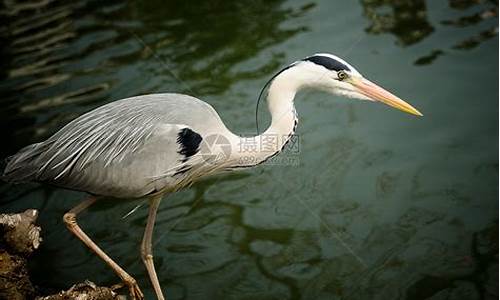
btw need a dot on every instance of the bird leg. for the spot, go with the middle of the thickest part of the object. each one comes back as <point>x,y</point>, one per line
<point>146,251</point>
<point>70,221</point>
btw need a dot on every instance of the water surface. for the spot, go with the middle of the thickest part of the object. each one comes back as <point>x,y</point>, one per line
<point>377,204</point>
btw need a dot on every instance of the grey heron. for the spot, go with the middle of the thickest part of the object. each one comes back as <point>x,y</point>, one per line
<point>151,145</point>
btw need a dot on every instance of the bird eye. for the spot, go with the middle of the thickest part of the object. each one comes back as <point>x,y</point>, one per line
<point>341,75</point>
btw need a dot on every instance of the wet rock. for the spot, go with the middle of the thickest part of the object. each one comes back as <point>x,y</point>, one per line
<point>19,233</point>
<point>19,238</point>
<point>85,291</point>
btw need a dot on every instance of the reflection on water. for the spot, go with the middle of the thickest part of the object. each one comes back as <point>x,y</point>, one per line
<point>408,21</point>
<point>363,216</point>
<point>480,264</point>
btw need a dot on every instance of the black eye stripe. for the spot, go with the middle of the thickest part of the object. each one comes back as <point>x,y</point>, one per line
<point>327,62</point>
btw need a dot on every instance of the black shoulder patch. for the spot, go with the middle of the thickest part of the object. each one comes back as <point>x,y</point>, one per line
<point>327,62</point>
<point>189,142</point>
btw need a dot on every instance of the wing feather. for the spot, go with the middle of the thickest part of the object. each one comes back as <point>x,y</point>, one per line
<point>109,136</point>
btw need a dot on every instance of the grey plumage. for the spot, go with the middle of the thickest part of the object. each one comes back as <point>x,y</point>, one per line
<point>104,151</point>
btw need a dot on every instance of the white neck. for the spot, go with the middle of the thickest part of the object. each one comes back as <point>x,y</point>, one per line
<point>250,151</point>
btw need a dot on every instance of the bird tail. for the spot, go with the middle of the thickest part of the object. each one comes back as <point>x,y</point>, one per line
<point>22,166</point>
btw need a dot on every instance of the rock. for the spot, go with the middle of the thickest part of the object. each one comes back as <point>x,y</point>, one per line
<point>85,291</point>
<point>19,232</point>
<point>19,238</point>
<point>14,281</point>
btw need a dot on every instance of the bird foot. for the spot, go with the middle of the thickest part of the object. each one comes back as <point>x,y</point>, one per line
<point>133,287</point>
<point>135,292</point>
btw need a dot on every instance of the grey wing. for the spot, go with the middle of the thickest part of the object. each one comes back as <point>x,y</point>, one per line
<point>119,149</point>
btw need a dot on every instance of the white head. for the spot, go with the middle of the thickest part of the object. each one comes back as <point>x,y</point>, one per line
<point>332,74</point>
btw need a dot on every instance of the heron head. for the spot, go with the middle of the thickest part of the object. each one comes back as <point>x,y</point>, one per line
<point>334,75</point>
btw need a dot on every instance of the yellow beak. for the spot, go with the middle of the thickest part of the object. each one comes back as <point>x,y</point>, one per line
<point>376,93</point>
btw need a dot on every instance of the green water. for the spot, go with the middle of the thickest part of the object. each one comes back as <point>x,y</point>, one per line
<point>378,204</point>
